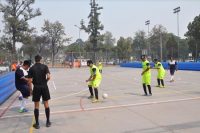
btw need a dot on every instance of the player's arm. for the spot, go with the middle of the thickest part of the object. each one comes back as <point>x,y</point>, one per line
<point>148,67</point>
<point>48,74</point>
<point>30,80</point>
<point>92,77</point>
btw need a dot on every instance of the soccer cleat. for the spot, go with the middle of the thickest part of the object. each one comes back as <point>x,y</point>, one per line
<point>20,98</point>
<point>95,101</point>
<point>36,126</point>
<point>90,97</point>
<point>23,110</point>
<point>48,124</point>
<point>162,86</point>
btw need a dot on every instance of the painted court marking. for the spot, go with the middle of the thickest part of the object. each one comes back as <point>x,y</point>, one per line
<point>107,107</point>
<point>54,86</point>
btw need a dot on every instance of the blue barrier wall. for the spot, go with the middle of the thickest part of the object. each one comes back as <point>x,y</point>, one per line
<point>7,86</point>
<point>193,66</point>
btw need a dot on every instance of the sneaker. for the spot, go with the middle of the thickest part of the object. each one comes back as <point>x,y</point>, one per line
<point>144,95</point>
<point>23,110</point>
<point>20,98</point>
<point>162,86</point>
<point>36,126</point>
<point>48,124</point>
<point>150,94</point>
<point>90,97</point>
<point>95,101</point>
<point>157,85</point>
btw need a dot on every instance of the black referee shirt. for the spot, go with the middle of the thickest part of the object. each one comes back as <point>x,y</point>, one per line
<point>38,73</point>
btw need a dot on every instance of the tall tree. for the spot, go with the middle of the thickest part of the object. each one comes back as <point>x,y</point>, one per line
<point>193,36</point>
<point>172,46</point>
<point>17,13</point>
<point>139,43</point>
<point>158,38</point>
<point>56,33</point>
<point>124,48</point>
<point>94,26</point>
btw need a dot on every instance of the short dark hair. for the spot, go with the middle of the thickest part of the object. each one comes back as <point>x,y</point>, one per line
<point>27,63</point>
<point>89,62</point>
<point>155,60</point>
<point>143,56</point>
<point>38,58</point>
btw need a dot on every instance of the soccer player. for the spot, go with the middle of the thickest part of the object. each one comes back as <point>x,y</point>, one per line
<point>161,73</point>
<point>39,75</point>
<point>22,85</point>
<point>172,67</point>
<point>93,81</point>
<point>146,75</point>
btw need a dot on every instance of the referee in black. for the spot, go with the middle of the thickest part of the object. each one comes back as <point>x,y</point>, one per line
<point>39,75</point>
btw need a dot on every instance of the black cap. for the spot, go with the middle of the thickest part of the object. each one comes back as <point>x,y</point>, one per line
<point>89,62</point>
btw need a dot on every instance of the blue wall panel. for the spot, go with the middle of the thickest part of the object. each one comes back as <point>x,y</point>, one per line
<point>193,66</point>
<point>7,86</point>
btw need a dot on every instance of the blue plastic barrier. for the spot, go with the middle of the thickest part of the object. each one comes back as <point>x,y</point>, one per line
<point>7,86</point>
<point>192,66</point>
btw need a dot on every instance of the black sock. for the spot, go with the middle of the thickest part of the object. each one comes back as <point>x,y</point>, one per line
<point>145,90</point>
<point>158,80</point>
<point>36,113</point>
<point>162,82</point>
<point>96,93</point>
<point>91,91</point>
<point>47,112</point>
<point>149,88</point>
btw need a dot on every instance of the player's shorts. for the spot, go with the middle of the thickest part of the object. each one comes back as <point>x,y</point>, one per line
<point>161,75</point>
<point>24,89</point>
<point>146,79</point>
<point>41,90</point>
<point>172,71</point>
<point>95,83</point>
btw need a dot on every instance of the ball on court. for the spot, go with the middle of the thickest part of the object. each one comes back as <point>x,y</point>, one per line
<point>105,95</point>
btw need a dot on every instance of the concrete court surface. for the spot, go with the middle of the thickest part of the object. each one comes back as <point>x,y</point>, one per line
<point>173,109</point>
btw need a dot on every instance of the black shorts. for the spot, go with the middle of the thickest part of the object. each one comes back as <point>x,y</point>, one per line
<point>24,89</point>
<point>39,91</point>
<point>172,71</point>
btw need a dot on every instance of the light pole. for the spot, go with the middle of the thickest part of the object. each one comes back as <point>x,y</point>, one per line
<point>177,10</point>
<point>147,23</point>
<point>79,33</point>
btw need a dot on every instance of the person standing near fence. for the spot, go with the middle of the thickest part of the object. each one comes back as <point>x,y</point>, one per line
<point>39,75</point>
<point>22,85</point>
<point>172,67</point>
<point>146,75</point>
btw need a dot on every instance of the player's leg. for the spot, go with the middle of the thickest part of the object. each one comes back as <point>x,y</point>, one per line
<point>144,85</point>
<point>148,83</point>
<point>46,98</point>
<point>36,99</point>
<point>95,85</point>
<point>90,90</point>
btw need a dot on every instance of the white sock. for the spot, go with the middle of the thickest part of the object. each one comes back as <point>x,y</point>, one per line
<point>23,103</point>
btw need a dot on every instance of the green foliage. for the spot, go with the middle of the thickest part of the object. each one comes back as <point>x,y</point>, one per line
<point>94,26</point>
<point>124,48</point>
<point>172,46</point>
<point>16,13</point>
<point>193,36</point>
<point>56,34</point>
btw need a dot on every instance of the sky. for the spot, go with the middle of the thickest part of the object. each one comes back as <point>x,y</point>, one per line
<point>120,17</point>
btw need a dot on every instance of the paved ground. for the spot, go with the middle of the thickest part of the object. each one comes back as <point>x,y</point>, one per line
<point>174,109</point>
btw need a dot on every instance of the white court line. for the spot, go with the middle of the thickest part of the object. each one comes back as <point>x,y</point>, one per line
<point>54,85</point>
<point>51,99</point>
<point>106,107</point>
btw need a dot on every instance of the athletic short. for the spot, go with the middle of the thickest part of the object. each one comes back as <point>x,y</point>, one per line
<point>24,89</point>
<point>95,83</point>
<point>161,75</point>
<point>146,79</point>
<point>172,71</point>
<point>40,91</point>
